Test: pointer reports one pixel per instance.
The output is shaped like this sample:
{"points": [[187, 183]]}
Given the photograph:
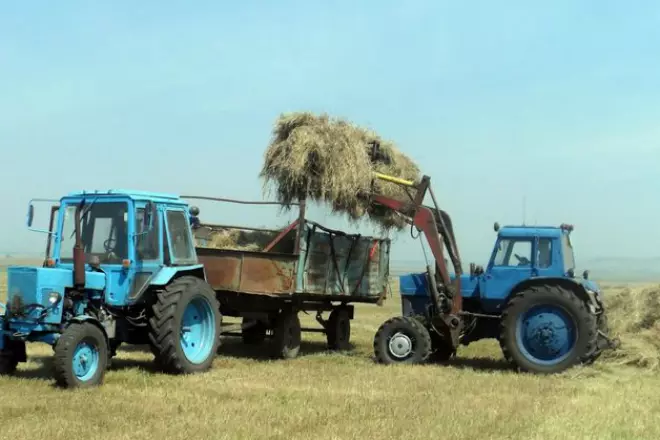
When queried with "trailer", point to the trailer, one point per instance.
{"points": [[267, 276]]}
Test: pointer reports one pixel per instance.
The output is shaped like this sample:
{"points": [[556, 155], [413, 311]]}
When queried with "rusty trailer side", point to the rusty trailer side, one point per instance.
{"points": [[266, 276]]}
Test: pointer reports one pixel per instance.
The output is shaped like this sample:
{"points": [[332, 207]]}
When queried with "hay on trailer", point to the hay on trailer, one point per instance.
{"points": [[328, 160], [634, 317]]}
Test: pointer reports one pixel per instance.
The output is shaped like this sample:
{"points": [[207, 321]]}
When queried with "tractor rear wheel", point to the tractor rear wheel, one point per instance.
{"points": [[547, 329], [81, 356], [338, 329], [402, 340], [185, 326]]}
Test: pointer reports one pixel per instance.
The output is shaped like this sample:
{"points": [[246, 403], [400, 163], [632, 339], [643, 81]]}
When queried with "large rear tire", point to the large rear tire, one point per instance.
{"points": [[185, 327], [547, 329], [402, 340]]}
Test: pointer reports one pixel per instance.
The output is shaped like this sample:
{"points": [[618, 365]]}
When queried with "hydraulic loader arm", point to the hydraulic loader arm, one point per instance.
{"points": [[437, 228]]}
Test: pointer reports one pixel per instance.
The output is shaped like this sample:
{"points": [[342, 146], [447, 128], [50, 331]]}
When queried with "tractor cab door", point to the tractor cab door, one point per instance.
{"points": [[510, 264], [148, 250]]}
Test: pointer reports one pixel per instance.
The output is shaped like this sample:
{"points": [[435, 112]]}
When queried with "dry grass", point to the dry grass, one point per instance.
{"points": [[334, 396], [328, 160], [634, 316]]}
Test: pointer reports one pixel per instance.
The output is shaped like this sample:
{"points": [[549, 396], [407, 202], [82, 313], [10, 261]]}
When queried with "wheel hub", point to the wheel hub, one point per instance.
{"points": [[400, 345], [547, 334]]}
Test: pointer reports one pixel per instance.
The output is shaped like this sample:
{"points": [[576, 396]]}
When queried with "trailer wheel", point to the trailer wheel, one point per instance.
{"points": [[81, 356], [255, 334], [402, 340], [338, 330], [547, 329], [287, 337], [185, 327]]}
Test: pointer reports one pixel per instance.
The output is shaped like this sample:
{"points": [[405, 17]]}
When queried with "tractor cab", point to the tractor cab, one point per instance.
{"points": [[522, 253]]}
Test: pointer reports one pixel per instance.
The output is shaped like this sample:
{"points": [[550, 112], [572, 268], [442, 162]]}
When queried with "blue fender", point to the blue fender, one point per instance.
{"points": [[166, 274], [587, 291], [92, 320]]}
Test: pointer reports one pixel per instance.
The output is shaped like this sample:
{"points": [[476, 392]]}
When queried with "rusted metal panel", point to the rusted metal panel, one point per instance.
{"points": [[267, 275], [223, 270], [248, 272]]}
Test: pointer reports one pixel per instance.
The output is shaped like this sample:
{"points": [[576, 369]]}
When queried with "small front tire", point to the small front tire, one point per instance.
{"points": [[81, 356], [402, 340]]}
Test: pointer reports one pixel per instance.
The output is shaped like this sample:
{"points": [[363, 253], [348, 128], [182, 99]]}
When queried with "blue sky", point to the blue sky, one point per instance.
{"points": [[556, 102]]}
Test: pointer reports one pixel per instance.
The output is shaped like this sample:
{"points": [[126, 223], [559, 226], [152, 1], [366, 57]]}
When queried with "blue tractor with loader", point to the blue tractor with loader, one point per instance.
{"points": [[528, 298]]}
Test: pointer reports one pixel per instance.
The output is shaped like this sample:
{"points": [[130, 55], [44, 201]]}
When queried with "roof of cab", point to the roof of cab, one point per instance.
{"points": [[530, 231], [133, 194]]}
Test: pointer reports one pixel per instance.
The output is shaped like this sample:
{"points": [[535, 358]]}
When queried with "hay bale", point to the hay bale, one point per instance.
{"points": [[328, 160], [232, 239], [634, 317]]}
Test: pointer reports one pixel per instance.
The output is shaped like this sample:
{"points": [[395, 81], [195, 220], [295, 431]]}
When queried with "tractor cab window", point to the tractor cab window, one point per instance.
{"points": [[103, 229], [567, 251], [544, 254], [181, 246], [146, 245], [513, 253]]}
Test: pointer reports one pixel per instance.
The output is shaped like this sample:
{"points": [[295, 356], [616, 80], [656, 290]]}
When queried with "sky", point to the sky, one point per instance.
{"points": [[535, 112]]}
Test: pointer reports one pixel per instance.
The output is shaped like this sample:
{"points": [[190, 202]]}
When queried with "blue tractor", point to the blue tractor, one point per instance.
{"points": [[120, 267], [528, 298]]}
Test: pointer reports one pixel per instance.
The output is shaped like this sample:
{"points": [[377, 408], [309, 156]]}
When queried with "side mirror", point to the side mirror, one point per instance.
{"points": [[30, 215], [585, 274]]}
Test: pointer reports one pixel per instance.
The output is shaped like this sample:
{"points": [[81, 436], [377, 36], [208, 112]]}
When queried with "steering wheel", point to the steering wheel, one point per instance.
{"points": [[110, 244], [523, 261]]}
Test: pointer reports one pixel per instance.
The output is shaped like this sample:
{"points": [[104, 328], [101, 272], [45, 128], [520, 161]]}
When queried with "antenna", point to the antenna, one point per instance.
{"points": [[524, 209]]}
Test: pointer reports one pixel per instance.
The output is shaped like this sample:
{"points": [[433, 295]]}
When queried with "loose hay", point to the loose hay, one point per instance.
{"points": [[328, 160], [634, 317]]}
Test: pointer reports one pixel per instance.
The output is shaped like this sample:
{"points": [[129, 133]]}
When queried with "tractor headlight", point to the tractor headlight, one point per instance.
{"points": [[53, 298]]}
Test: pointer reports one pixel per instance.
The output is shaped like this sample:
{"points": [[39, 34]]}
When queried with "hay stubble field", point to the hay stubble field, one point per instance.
{"points": [[324, 395]]}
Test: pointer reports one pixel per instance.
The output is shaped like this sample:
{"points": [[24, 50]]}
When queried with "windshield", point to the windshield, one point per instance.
{"points": [[103, 231], [567, 250]]}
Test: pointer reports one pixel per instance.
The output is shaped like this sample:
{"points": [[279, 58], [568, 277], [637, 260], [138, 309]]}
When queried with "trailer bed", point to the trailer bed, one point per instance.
{"points": [[331, 265]]}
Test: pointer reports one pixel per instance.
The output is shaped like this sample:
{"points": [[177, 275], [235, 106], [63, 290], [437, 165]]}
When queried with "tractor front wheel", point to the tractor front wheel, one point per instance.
{"points": [[185, 327], [547, 329], [81, 356], [402, 340]]}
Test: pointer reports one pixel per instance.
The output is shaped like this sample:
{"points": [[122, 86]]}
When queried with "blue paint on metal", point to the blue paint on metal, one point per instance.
{"points": [[165, 274], [197, 330], [85, 361], [546, 334], [413, 284]]}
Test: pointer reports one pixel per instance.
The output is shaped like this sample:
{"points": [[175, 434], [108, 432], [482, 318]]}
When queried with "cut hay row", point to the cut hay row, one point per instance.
{"points": [[328, 160], [634, 317]]}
